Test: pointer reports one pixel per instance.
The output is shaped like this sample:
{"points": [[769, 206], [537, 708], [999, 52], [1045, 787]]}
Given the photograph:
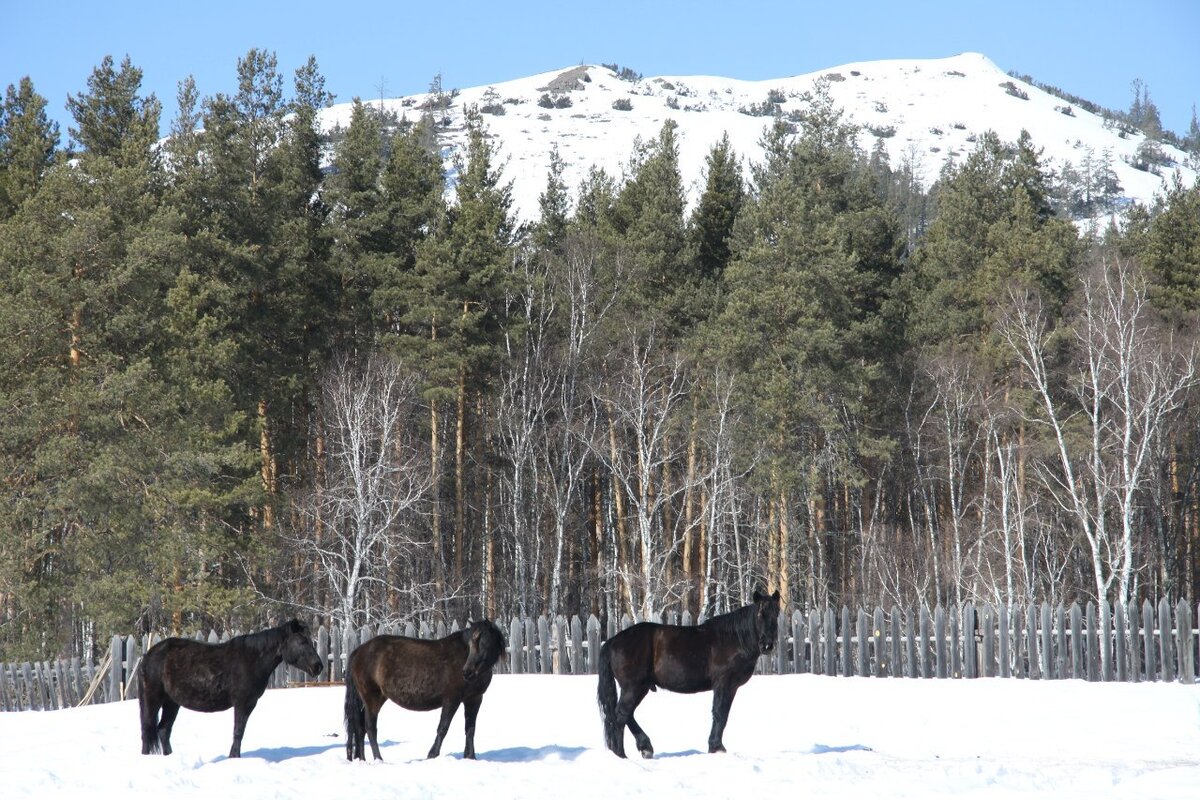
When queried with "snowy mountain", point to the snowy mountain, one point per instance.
{"points": [[926, 111]]}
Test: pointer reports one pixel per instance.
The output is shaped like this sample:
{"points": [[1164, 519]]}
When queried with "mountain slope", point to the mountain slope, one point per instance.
{"points": [[926, 111]]}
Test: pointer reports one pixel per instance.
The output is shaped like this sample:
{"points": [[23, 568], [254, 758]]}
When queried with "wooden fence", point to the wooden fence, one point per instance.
{"points": [[1094, 643]]}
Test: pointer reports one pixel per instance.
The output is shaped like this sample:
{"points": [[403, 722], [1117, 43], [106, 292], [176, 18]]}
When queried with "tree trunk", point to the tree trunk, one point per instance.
{"points": [[619, 503], [460, 495], [690, 573], [436, 506], [268, 465], [782, 581]]}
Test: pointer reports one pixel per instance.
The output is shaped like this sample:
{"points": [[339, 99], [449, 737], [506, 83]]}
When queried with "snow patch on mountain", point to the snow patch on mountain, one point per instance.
{"points": [[925, 111]]}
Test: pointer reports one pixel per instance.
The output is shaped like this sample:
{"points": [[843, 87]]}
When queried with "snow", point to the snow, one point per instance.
{"points": [[936, 106], [539, 736]]}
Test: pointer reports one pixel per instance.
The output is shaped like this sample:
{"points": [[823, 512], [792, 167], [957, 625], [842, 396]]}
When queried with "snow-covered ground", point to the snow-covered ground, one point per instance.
{"points": [[539, 737], [926, 111]]}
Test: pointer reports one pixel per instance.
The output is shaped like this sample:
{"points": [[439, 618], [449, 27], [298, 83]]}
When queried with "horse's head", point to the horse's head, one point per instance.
{"points": [[485, 645], [298, 650], [766, 619]]}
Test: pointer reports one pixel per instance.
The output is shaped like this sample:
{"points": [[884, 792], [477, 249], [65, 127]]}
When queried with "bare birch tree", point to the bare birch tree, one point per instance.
{"points": [[646, 403], [1129, 378], [374, 475]]}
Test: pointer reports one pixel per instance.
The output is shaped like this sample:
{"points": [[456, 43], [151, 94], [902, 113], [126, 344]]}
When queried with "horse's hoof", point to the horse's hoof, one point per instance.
{"points": [[720, 748], [647, 752]]}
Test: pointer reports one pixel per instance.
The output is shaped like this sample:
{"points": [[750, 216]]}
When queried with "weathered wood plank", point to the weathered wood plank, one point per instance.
{"points": [[1184, 644], [862, 633], [1047, 645], [799, 643], [593, 634], [1166, 650], [1007, 638], [956, 644], [987, 632], [912, 668], [896, 658], [1106, 642], [926, 655], [1092, 643], [1150, 667], [847, 644], [941, 654], [516, 652], [1121, 646], [578, 666]]}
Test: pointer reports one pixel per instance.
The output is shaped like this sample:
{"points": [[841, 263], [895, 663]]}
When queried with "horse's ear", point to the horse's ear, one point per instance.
{"points": [[759, 596], [776, 595]]}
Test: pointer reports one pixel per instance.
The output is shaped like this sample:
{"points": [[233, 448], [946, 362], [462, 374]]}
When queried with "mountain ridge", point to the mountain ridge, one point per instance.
{"points": [[925, 111]]}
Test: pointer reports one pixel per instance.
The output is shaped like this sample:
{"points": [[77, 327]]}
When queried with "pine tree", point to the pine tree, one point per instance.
{"points": [[1170, 251], [85, 302], [805, 325], [716, 213], [452, 322], [554, 205], [28, 143], [648, 218]]}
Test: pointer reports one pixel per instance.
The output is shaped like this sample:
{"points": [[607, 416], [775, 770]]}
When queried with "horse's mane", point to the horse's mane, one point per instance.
{"points": [[737, 624], [264, 640]]}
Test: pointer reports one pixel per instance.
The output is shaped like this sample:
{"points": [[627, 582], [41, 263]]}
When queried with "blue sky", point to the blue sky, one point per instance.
{"points": [[1093, 49]]}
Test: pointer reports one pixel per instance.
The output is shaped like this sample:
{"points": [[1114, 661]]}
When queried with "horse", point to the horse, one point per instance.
{"points": [[420, 675], [214, 677], [718, 655]]}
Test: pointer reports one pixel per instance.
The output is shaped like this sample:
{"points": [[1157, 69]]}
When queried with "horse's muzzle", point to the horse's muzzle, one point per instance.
{"points": [[767, 646], [315, 667]]}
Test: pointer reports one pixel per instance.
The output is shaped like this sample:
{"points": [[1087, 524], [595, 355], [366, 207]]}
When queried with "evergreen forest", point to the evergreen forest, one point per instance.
{"points": [[253, 369]]}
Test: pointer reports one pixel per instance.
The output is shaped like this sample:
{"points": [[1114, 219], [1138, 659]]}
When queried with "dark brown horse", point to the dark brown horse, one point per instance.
{"points": [[215, 677], [420, 675], [717, 655]]}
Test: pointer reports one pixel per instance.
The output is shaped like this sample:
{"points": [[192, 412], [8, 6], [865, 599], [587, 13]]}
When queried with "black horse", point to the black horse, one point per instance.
{"points": [[214, 677], [718, 654], [420, 675]]}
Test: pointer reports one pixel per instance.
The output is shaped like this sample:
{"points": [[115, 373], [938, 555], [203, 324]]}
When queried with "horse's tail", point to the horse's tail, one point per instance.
{"points": [[356, 719], [150, 674], [606, 698]]}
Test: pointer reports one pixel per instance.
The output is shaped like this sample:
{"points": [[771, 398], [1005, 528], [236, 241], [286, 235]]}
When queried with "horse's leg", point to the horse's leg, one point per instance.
{"points": [[373, 705], [149, 705], [170, 709], [448, 709], [722, 700], [470, 712], [241, 713], [631, 696]]}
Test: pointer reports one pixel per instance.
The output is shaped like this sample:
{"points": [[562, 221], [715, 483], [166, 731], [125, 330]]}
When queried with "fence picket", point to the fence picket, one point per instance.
{"points": [[910, 647], [895, 660], [1166, 659], [1007, 639], [1151, 669], [846, 643], [863, 635], [955, 644], [1184, 645], [1106, 665], [1031, 642]]}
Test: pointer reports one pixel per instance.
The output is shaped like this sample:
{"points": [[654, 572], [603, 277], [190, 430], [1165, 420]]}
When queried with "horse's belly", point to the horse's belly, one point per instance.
{"points": [[677, 679]]}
